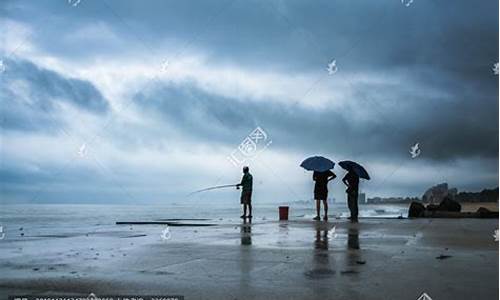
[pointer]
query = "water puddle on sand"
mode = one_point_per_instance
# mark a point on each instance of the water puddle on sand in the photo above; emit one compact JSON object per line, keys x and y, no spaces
{"x":319,"y":274}
{"x":412,"y":240}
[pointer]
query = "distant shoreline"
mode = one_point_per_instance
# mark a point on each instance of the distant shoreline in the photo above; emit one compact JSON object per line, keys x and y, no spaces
{"x":409,"y":202}
{"x":466,"y":206}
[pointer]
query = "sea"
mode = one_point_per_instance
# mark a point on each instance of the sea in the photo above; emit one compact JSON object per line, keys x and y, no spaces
{"x":67,"y":219}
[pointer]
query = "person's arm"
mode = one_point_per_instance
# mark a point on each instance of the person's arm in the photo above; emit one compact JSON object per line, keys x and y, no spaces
{"x":344,"y":180}
{"x":332,"y":176}
{"x":241,"y":183}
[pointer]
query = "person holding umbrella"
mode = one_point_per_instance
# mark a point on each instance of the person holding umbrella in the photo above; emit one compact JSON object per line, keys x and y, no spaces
{"x":322,"y":175}
{"x":321,"y":191}
{"x":351,"y":180}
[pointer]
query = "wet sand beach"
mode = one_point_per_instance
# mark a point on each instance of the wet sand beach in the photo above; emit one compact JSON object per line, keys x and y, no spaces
{"x":297,"y":259}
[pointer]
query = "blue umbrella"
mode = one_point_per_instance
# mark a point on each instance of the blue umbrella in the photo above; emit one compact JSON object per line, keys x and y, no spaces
{"x":357,"y":168}
{"x":317,"y":163}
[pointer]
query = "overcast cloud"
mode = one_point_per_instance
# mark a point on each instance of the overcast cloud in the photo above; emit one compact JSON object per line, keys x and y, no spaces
{"x":91,"y":111}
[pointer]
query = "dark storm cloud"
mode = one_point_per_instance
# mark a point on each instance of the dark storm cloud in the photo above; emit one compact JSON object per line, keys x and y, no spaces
{"x":428,"y":70}
{"x":30,"y":93}
{"x":457,"y":42}
{"x":440,"y":126}
{"x":287,"y":35}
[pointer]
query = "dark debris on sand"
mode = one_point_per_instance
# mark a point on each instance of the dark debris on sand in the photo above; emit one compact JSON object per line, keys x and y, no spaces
{"x":443,"y":256}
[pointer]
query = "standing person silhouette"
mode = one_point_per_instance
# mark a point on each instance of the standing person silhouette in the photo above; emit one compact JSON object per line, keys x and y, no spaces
{"x":321,"y":191}
{"x":351,"y":180}
{"x":246,"y":192}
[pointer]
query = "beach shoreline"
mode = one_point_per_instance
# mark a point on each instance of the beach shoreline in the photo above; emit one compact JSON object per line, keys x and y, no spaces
{"x":296,"y":259}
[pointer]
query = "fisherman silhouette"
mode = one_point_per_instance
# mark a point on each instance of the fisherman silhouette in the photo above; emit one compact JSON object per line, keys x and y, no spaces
{"x":246,"y":192}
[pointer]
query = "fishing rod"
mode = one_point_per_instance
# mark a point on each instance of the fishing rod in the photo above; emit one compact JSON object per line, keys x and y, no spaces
{"x":213,"y":188}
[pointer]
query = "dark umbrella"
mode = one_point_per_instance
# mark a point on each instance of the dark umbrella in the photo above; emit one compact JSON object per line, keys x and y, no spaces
{"x":317,"y":163}
{"x":357,"y":168}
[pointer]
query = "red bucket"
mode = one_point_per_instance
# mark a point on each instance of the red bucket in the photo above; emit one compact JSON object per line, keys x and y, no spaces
{"x":283,"y":213}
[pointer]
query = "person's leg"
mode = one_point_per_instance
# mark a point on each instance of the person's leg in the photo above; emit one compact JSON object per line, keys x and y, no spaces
{"x":249,"y":202}
{"x":242,"y":203}
{"x":317,"y":210}
{"x":349,"y":204}
{"x":325,"y":207}
{"x":244,"y":210}
{"x":355,"y":205}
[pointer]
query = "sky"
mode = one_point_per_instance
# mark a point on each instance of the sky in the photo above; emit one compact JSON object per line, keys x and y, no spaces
{"x":145,"y":101}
